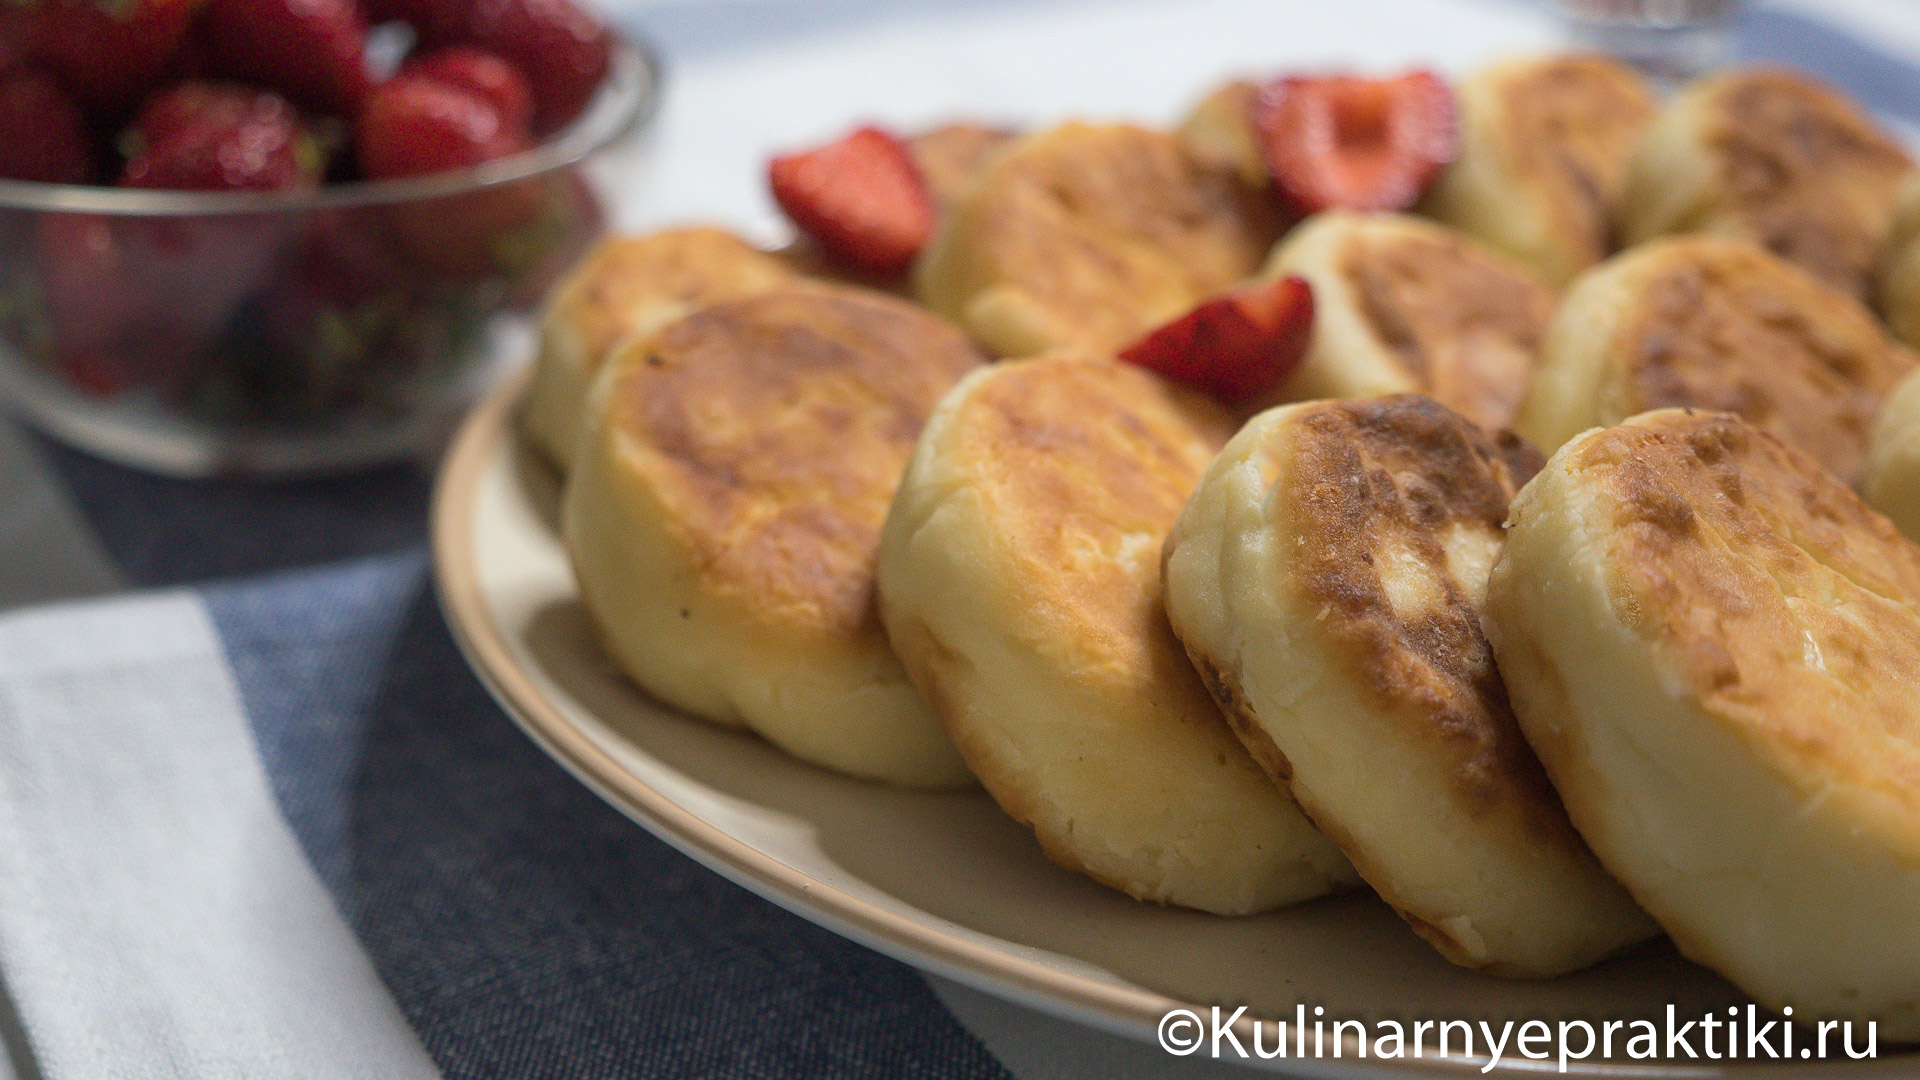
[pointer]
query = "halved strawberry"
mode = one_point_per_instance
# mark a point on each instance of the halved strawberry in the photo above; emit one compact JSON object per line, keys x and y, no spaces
{"x":862,"y":198}
{"x":1340,"y":141}
{"x":1236,"y":346}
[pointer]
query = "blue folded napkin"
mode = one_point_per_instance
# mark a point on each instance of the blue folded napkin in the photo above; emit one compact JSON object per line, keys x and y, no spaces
{"x":276,"y":828}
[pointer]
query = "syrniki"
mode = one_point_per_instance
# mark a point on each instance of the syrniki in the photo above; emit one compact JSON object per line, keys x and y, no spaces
{"x":1220,"y":131}
{"x":1892,"y":483}
{"x":1545,"y":143}
{"x":1714,"y":647}
{"x":629,"y":285}
{"x":1775,"y":157}
{"x":1897,"y":278}
{"x":725,"y":510}
{"x":1328,"y":577}
{"x":1402,"y":305}
{"x":1707,"y":322}
{"x":1090,"y":235}
{"x":1020,"y":584}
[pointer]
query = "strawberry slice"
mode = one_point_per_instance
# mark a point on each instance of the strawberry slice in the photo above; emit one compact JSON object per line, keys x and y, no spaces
{"x":1236,"y":346}
{"x":862,"y":198}
{"x":1339,"y":141}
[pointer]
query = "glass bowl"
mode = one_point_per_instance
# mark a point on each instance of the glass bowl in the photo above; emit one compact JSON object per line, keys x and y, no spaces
{"x":286,"y":333}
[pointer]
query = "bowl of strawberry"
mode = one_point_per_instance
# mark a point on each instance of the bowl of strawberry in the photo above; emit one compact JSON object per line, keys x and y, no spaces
{"x":285,"y":236}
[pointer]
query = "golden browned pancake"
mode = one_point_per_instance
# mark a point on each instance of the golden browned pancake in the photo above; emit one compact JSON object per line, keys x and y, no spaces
{"x":1897,"y":278}
{"x":1713,"y":323}
{"x":724,"y":516}
{"x":1714,"y":646}
{"x":1091,"y":235}
{"x":1402,"y":305}
{"x":1328,"y":576}
{"x":1020,"y":583}
{"x":1892,"y":482}
{"x":1545,"y":143}
{"x":1772,"y":156}
{"x":951,"y":156}
{"x":1220,"y":131}
{"x":624,"y":286}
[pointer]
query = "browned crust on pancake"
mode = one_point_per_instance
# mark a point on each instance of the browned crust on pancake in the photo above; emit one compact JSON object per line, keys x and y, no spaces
{"x":1368,"y":481}
{"x":695,"y":266}
{"x":1081,"y":456}
{"x":1788,"y":608}
{"x":1809,"y":174}
{"x":951,"y":156}
{"x":1101,"y":225}
{"x":1240,"y":717}
{"x":1573,"y":124}
{"x":774,"y":430}
{"x":1723,"y":326}
{"x":1261,"y":748}
{"x":1466,"y":322}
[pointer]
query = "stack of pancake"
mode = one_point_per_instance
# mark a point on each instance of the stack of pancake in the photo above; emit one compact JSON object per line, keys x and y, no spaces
{"x":1538,"y":598}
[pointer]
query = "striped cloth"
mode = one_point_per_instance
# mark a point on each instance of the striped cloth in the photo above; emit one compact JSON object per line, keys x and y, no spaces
{"x":257,"y":819}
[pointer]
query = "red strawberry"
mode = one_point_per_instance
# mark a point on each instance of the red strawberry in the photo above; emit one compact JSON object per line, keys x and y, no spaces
{"x":1235,"y":346}
{"x":1356,"y":144}
{"x":94,"y":374}
{"x":189,"y":102}
{"x":105,"y":54}
{"x":414,"y":125}
{"x":90,"y":294}
{"x":106,"y":312}
{"x":206,"y":137}
{"x":561,"y":48}
{"x":482,"y":73}
{"x":862,"y":198}
{"x":312,"y":50}
{"x":42,"y":135}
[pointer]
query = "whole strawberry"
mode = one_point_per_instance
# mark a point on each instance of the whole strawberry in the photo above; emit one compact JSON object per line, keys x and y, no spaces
{"x":482,"y":73}
{"x":415,"y":124}
{"x":188,"y":102}
{"x":311,"y":50}
{"x":107,"y":54}
{"x":92,"y":298}
{"x":42,"y":135}
{"x":560,"y":47}
{"x":211,"y":137}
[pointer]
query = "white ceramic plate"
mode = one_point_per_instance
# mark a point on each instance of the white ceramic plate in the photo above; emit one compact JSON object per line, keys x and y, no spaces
{"x":945,"y":881}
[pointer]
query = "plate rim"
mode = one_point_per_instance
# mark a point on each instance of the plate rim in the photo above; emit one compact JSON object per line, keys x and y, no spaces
{"x":489,"y":430}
